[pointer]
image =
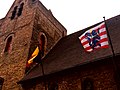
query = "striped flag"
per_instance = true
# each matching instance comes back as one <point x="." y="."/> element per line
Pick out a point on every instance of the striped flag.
<point x="95" y="38"/>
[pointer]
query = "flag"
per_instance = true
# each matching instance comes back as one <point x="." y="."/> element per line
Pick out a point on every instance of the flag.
<point x="35" y="57"/>
<point x="95" y="38"/>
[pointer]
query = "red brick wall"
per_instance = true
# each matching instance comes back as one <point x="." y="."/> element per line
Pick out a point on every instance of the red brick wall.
<point x="23" y="29"/>
<point x="13" y="63"/>
<point x="100" y="72"/>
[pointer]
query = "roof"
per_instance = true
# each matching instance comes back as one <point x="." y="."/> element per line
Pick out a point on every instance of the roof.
<point x="68" y="52"/>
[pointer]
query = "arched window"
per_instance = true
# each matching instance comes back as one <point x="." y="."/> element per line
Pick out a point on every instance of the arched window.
<point x="14" y="12"/>
<point x="87" y="84"/>
<point x="42" y="44"/>
<point x="1" y="83"/>
<point x="20" y="9"/>
<point x="8" y="44"/>
<point x="53" y="86"/>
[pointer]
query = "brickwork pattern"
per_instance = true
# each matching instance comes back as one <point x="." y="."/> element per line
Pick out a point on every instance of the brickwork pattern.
<point x="12" y="64"/>
<point x="24" y="31"/>
<point x="102" y="75"/>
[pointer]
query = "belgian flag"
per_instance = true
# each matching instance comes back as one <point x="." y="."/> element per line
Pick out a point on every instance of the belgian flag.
<point x="35" y="57"/>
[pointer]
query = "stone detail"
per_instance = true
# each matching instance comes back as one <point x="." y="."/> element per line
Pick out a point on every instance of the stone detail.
<point x="25" y="30"/>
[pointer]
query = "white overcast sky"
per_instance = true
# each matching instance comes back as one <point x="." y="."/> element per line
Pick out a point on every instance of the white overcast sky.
<point x="75" y="14"/>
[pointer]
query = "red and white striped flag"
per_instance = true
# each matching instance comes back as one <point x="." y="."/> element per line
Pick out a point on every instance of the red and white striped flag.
<point x="95" y="38"/>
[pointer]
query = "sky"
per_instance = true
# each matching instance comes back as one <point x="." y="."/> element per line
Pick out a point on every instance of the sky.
<point x="75" y="15"/>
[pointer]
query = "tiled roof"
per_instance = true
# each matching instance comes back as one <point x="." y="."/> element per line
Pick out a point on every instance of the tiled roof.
<point x="68" y="52"/>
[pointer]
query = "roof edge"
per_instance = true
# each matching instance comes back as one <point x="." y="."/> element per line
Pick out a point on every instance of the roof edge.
<point x="95" y="60"/>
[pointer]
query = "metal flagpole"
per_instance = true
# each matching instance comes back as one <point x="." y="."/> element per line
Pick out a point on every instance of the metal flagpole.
<point x="110" y="41"/>
<point x="113" y="57"/>
<point x="42" y="68"/>
<point x="43" y="75"/>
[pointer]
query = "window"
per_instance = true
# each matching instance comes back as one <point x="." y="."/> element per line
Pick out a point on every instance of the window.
<point x="20" y="9"/>
<point x="42" y="44"/>
<point x="1" y="83"/>
<point x="53" y="86"/>
<point x="33" y="0"/>
<point x="14" y="13"/>
<point x="8" y="44"/>
<point x="15" y="10"/>
<point x="87" y="84"/>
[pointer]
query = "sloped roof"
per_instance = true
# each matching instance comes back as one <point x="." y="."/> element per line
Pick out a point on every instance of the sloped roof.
<point x="68" y="52"/>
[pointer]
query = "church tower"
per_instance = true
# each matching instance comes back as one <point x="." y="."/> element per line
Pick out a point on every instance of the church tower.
<point x="27" y="24"/>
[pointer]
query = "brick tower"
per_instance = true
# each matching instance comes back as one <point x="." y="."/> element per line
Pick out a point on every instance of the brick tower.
<point x="27" y="24"/>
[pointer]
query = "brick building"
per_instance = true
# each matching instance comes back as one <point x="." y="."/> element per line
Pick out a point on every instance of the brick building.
<point x="65" y="65"/>
<point x="25" y="24"/>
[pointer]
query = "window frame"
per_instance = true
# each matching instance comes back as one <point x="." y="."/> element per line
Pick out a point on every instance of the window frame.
<point x="53" y="86"/>
<point x="14" y="12"/>
<point x="88" y="83"/>
<point x="1" y="82"/>
<point x="8" y="44"/>
<point x="43" y="37"/>
<point x="20" y="10"/>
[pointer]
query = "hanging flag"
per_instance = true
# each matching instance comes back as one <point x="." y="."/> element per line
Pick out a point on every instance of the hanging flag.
<point x="35" y="57"/>
<point x="95" y="38"/>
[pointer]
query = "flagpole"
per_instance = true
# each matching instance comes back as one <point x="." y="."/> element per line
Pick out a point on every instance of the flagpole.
<point x="110" y="41"/>
<point x="113" y="57"/>
<point x="42" y="67"/>
<point x="43" y="75"/>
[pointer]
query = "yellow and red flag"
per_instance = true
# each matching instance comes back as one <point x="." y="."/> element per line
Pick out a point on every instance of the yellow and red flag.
<point x="35" y="57"/>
